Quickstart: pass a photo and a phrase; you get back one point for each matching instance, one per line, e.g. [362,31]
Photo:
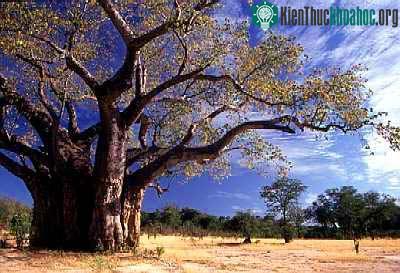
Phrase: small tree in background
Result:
[170,217]
[243,223]
[280,197]
[20,226]
[144,96]
[297,216]
[10,207]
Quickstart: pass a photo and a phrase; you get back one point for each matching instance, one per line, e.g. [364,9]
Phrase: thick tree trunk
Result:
[47,223]
[106,227]
[131,216]
[61,214]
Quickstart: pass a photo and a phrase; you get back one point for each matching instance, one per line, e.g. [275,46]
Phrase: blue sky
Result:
[320,164]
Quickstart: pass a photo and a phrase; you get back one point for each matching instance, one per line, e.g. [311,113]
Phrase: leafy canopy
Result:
[193,78]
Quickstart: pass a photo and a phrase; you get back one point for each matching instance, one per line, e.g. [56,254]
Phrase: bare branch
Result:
[40,120]
[185,51]
[82,72]
[89,134]
[180,153]
[160,190]
[238,87]
[119,22]
[73,128]
[10,143]
[135,108]
[37,64]
[25,173]
[144,125]
[140,77]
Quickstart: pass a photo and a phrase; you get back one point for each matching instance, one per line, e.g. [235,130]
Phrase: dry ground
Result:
[212,254]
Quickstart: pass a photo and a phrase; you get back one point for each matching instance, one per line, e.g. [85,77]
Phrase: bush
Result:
[160,251]
[288,233]
[20,226]
[10,207]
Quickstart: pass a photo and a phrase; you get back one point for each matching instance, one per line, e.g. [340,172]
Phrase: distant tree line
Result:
[339,213]
[9,208]
[193,223]
[15,218]
[348,214]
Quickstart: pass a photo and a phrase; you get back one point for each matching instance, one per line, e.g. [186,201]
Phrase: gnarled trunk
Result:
[131,215]
[61,214]
[63,199]
[106,228]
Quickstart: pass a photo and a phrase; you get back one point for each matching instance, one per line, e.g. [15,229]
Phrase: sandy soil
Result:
[188,255]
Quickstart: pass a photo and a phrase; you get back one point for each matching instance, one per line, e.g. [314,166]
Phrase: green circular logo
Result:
[264,14]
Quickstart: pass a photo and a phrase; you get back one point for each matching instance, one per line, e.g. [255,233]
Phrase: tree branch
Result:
[118,21]
[13,145]
[37,64]
[140,78]
[144,125]
[135,108]
[158,31]
[73,128]
[180,153]
[81,71]
[185,51]
[89,134]
[25,173]
[70,61]
[238,87]
[40,120]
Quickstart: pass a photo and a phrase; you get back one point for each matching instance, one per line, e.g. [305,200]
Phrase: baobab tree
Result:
[100,99]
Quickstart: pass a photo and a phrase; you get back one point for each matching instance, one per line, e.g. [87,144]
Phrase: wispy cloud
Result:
[230,195]
[310,198]
[254,210]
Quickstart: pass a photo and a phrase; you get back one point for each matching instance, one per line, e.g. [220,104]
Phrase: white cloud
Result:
[310,198]
[230,195]
[254,210]
[375,47]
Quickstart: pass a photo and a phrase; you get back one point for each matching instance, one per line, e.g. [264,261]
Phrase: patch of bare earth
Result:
[210,254]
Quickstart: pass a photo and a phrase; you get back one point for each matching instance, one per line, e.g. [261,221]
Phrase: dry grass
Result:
[213,254]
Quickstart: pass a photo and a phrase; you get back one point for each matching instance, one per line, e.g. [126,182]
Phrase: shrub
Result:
[20,226]
[288,233]
[160,251]
[101,264]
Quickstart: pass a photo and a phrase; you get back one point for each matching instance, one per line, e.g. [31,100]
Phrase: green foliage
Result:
[378,216]
[288,233]
[100,263]
[171,217]
[160,251]
[9,208]
[267,78]
[282,195]
[351,214]
[197,224]
[243,223]
[20,225]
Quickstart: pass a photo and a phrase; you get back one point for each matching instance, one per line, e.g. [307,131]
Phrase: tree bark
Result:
[131,216]
[106,228]
[61,214]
